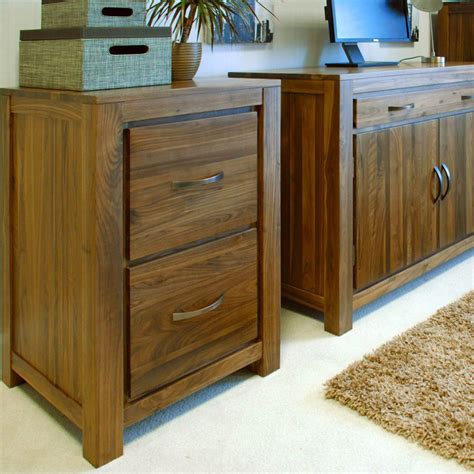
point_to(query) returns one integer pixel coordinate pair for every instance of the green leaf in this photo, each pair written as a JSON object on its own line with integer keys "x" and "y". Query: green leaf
{"x": 209, "y": 16}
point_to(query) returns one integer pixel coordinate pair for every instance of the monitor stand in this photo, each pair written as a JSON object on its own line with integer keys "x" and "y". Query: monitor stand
{"x": 356, "y": 59}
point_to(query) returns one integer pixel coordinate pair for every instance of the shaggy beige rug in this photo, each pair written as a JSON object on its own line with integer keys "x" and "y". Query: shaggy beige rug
{"x": 421, "y": 384}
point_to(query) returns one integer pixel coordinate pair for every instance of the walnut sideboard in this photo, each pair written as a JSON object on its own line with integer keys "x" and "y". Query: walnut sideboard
{"x": 140, "y": 246}
{"x": 377, "y": 180}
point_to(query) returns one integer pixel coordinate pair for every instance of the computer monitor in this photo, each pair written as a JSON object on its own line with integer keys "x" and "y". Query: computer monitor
{"x": 367, "y": 21}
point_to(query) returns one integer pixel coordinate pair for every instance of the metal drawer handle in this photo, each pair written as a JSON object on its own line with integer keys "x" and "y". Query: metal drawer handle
{"x": 448, "y": 175}
{"x": 467, "y": 97}
{"x": 440, "y": 181}
{"x": 200, "y": 182}
{"x": 199, "y": 312}
{"x": 398, "y": 108}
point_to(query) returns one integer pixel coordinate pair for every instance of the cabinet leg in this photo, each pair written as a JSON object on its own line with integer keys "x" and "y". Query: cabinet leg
{"x": 10, "y": 378}
{"x": 269, "y": 233}
{"x": 339, "y": 172}
{"x": 265, "y": 367}
{"x": 103, "y": 338}
{"x": 338, "y": 317}
{"x": 102, "y": 443}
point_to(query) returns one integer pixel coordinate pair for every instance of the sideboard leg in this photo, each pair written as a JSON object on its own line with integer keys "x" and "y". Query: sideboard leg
{"x": 339, "y": 172}
{"x": 102, "y": 337}
{"x": 269, "y": 232}
{"x": 10, "y": 378}
{"x": 338, "y": 316}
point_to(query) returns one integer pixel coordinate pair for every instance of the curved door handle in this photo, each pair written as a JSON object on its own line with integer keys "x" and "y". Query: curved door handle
{"x": 398, "y": 108}
{"x": 440, "y": 182}
{"x": 445, "y": 168}
{"x": 199, "y": 312}
{"x": 199, "y": 182}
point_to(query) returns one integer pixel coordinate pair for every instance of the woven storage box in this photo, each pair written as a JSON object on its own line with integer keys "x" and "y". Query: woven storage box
{"x": 93, "y": 13}
{"x": 83, "y": 59}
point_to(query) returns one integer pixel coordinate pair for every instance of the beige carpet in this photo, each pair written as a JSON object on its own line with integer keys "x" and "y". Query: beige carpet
{"x": 421, "y": 384}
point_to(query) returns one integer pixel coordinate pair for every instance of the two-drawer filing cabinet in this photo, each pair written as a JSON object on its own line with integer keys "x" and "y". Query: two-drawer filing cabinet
{"x": 141, "y": 243}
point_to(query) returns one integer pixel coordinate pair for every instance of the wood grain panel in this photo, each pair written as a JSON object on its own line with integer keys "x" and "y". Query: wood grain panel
{"x": 163, "y": 216}
{"x": 6, "y": 318}
{"x": 47, "y": 231}
{"x": 303, "y": 197}
{"x": 66, "y": 405}
{"x": 376, "y": 110}
{"x": 269, "y": 231}
{"x": 140, "y": 409}
{"x": 423, "y": 218}
{"x": 103, "y": 318}
{"x": 163, "y": 350}
{"x": 433, "y": 76}
{"x": 396, "y": 219}
{"x": 372, "y": 173}
{"x": 416, "y": 270}
{"x": 456, "y": 32}
{"x": 457, "y": 153}
{"x": 365, "y": 80}
{"x": 184, "y": 104}
{"x": 60, "y": 110}
{"x": 339, "y": 175}
{"x": 302, "y": 297}
{"x": 199, "y": 90}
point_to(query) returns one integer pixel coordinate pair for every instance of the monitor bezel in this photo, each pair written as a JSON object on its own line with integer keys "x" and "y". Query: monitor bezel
{"x": 335, "y": 39}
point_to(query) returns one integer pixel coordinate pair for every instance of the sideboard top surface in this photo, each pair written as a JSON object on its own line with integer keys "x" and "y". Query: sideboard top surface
{"x": 142, "y": 93}
{"x": 347, "y": 73}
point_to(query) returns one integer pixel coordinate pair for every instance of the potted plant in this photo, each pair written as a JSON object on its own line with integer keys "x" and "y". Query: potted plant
{"x": 208, "y": 16}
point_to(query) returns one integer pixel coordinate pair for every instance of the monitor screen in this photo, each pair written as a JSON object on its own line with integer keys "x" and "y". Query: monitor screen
{"x": 354, "y": 21}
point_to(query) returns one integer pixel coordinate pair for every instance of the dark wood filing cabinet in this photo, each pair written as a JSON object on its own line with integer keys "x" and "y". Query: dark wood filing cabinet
{"x": 377, "y": 180}
{"x": 140, "y": 246}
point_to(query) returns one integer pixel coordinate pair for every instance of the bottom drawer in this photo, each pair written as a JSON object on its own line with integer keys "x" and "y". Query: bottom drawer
{"x": 190, "y": 309}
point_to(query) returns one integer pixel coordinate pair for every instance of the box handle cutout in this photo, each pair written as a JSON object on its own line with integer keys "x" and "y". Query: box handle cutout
{"x": 125, "y": 50}
{"x": 116, "y": 11}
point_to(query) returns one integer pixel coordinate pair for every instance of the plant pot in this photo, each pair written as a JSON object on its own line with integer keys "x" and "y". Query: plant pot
{"x": 186, "y": 60}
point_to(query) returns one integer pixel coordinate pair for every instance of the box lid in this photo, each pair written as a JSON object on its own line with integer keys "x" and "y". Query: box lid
{"x": 46, "y": 2}
{"x": 95, "y": 33}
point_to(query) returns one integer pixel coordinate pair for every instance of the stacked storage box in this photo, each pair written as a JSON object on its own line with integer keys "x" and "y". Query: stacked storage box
{"x": 94, "y": 44}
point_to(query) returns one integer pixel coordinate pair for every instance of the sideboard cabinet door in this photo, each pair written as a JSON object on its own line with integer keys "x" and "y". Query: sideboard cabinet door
{"x": 396, "y": 219}
{"x": 457, "y": 166}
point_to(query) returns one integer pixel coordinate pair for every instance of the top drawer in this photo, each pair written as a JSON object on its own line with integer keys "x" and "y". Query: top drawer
{"x": 191, "y": 181}
{"x": 397, "y": 107}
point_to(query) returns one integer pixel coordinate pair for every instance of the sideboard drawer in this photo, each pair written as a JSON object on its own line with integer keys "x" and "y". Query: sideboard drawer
{"x": 190, "y": 309}
{"x": 397, "y": 107}
{"x": 190, "y": 181}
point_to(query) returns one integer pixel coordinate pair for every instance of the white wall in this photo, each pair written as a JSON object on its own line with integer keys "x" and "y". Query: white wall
{"x": 15, "y": 15}
{"x": 301, "y": 39}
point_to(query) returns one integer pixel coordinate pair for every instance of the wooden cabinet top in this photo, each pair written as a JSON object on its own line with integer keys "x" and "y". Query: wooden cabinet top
{"x": 347, "y": 73}
{"x": 143, "y": 93}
